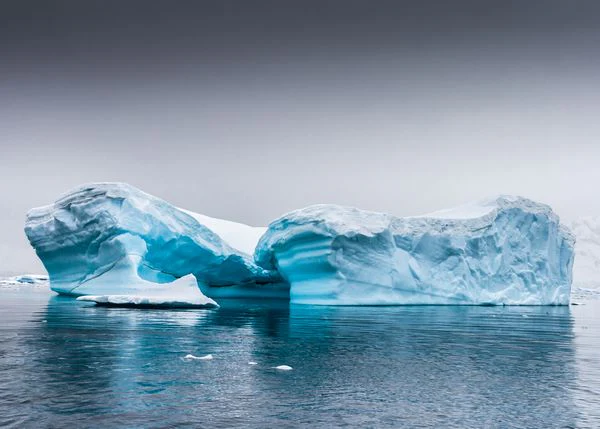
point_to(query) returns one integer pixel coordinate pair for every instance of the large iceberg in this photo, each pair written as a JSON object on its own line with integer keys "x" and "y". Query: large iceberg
{"x": 113, "y": 239}
{"x": 506, "y": 250}
{"x": 119, "y": 245}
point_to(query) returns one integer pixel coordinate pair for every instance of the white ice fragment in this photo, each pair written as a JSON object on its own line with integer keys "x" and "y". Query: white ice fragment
{"x": 181, "y": 293}
{"x": 192, "y": 357}
{"x": 283, "y": 367}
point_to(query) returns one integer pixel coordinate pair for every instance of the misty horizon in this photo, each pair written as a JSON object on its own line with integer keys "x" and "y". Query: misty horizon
{"x": 246, "y": 111}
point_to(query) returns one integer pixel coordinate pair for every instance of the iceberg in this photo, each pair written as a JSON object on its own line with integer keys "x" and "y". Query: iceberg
{"x": 505, "y": 250}
{"x": 113, "y": 239}
{"x": 116, "y": 245}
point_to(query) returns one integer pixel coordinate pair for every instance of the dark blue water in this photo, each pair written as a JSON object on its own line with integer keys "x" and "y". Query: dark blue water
{"x": 69, "y": 364}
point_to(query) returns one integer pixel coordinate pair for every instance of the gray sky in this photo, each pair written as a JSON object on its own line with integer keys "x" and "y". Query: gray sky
{"x": 245, "y": 110}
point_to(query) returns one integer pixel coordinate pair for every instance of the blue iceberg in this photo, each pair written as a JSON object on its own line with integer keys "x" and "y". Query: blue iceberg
{"x": 113, "y": 239}
{"x": 506, "y": 250}
{"x": 122, "y": 246}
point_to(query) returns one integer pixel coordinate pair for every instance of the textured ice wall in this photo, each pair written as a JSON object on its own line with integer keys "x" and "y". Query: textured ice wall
{"x": 113, "y": 227}
{"x": 508, "y": 250}
{"x": 113, "y": 239}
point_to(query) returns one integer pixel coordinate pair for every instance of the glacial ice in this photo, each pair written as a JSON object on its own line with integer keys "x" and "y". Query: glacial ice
{"x": 506, "y": 250}
{"x": 181, "y": 293}
{"x": 113, "y": 239}
{"x": 118, "y": 245}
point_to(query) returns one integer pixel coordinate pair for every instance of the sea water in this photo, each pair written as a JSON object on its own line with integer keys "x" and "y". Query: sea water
{"x": 65, "y": 363}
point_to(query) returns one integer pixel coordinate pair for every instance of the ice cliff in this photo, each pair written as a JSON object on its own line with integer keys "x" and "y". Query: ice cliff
{"x": 111, "y": 238}
{"x": 121, "y": 245}
{"x": 507, "y": 250}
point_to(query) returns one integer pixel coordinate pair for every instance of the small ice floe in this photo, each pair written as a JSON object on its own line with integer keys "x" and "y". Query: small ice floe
{"x": 283, "y": 368}
{"x": 252, "y": 363}
{"x": 154, "y": 299}
{"x": 192, "y": 357}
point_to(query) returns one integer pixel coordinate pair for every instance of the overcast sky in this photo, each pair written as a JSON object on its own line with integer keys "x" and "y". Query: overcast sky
{"x": 245, "y": 110}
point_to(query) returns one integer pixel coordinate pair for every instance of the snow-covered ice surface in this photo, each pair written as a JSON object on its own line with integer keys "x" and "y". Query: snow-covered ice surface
{"x": 470, "y": 210}
{"x": 507, "y": 250}
{"x": 110, "y": 238}
{"x": 586, "y": 268}
{"x": 238, "y": 235}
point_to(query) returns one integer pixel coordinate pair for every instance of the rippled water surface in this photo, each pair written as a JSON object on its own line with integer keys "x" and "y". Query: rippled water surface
{"x": 69, "y": 364}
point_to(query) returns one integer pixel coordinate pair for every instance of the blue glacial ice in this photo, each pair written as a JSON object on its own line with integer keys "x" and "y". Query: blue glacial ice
{"x": 113, "y": 239}
{"x": 119, "y": 245}
{"x": 506, "y": 250}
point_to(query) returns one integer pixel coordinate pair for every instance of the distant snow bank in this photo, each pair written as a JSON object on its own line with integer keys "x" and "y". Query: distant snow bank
{"x": 24, "y": 280}
{"x": 586, "y": 268}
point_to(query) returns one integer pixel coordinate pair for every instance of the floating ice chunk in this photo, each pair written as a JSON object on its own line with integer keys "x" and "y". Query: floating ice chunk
{"x": 144, "y": 301}
{"x": 181, "y": 293}
{"x": 192, "y": 357}
{"x": 31, "y": 278}
{"x": 283, "y": 368}
{"x": 24, "y": 279}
